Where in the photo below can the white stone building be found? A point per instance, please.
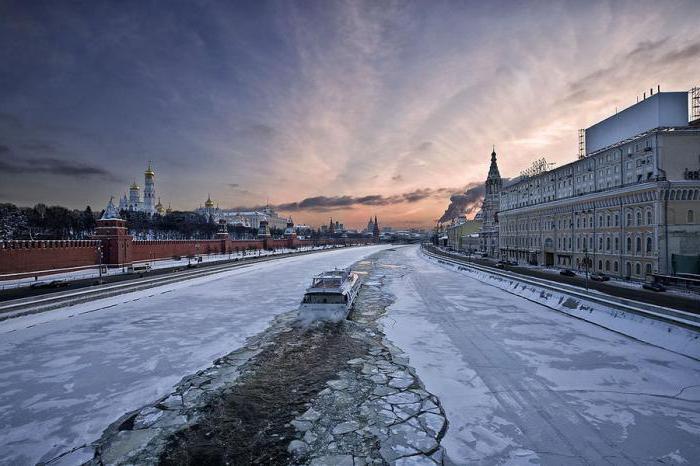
(147, 204)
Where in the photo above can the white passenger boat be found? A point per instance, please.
(330, 296)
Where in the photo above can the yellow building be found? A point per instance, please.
(459, 232)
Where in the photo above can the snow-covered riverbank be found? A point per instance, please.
(67, 374)
(522, 382)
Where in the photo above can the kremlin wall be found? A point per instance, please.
(114, 247)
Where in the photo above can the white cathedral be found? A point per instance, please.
(148, 203)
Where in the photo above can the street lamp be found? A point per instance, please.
(586, 260)
(99, 256)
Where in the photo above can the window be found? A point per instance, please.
(607, 244)
(607, 266)
(600, 244)
(649, 217)
(638, 269)
(600, 265)
(639, 244)
(691, 216)
(629, 244)
(648, 269)
(617, 244)
(639, 218)
(615, 266)
(649, 244)
(629, 219)
(608, 220)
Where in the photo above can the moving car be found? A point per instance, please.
(599, 277)
(568, 273)
(654, 287)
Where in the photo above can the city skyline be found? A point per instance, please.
(343, 109)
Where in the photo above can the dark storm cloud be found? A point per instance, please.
(325, 203)
(51, 165)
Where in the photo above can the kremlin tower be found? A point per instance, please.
(149, 191)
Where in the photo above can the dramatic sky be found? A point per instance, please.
(326, 108)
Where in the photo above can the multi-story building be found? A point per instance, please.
(628, 207)
(462, 234)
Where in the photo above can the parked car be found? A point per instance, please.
(139, 268)
(501, 264)
(512, 262)
(568, 273)
(49, 284)
(658, 287)
(599, 277)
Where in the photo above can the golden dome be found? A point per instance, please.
(134, 186)
(209, 203)
(149, 171)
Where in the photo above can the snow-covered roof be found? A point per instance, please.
(111, 212)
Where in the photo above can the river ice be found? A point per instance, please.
(522, 383)
(67, 374)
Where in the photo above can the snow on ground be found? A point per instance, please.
(521, 382)
(67, 374)
(93, 272)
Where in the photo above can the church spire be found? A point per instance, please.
(493, 169)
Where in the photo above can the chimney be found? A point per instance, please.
(651, 91)
(658, 88)
(645, 96)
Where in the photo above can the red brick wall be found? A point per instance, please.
(31, 256)
(147, 250)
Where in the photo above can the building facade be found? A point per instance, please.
(629, 209)
(462, 235)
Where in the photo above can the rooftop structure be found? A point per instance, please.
(663, 109)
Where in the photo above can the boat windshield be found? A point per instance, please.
(325, 298)
(327, 282)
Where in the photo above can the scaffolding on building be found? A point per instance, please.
(695, 105)
(538, 167)
(581, 143)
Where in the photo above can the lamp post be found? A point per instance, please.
(99, 256)
(585, 263)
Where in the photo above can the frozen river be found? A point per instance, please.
(67, 374)
(524, 384)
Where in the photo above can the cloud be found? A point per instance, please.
(53, 166)
(326, 203)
